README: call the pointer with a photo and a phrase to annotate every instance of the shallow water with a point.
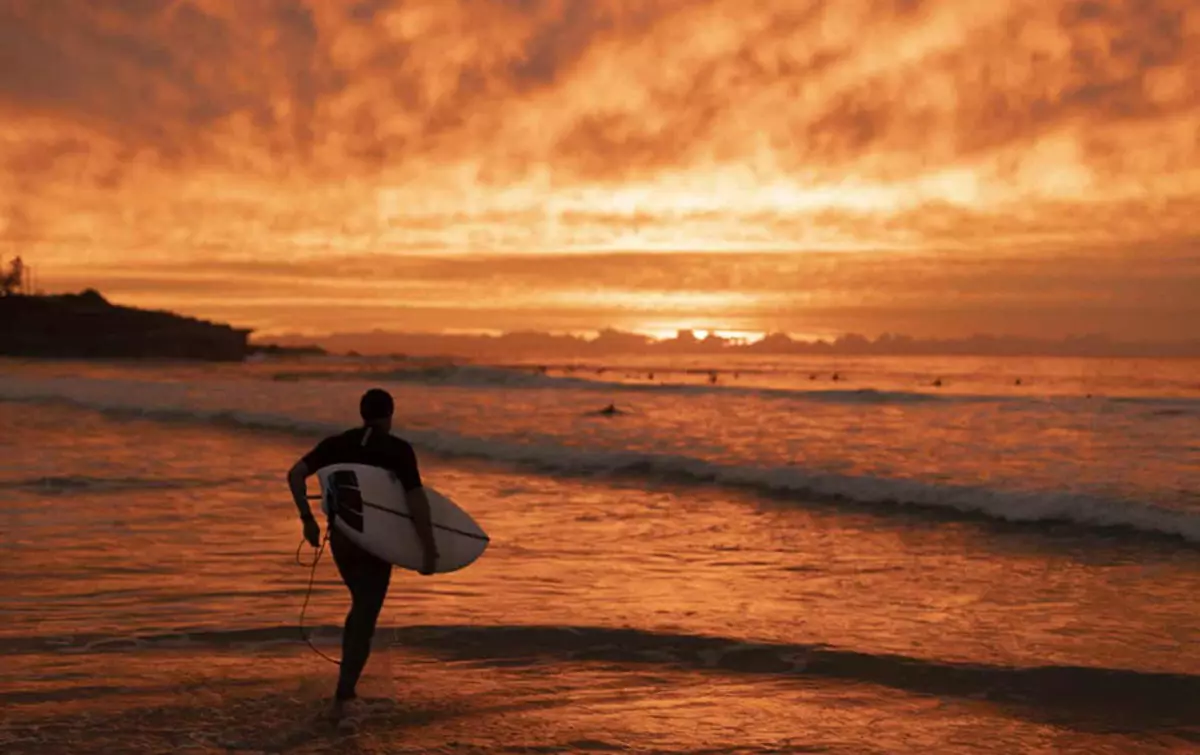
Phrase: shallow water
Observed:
(151, 597)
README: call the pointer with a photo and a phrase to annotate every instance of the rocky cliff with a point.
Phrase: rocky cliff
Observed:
(86, 326)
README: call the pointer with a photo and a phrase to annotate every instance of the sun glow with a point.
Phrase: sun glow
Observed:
(661, 332)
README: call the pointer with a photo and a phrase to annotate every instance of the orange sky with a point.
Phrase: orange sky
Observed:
(937, 167)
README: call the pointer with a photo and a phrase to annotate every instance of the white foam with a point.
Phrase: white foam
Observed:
(1014, 506)
(177, 402)
(484, 376)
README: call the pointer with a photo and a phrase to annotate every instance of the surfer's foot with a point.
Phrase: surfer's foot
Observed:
(337, 711)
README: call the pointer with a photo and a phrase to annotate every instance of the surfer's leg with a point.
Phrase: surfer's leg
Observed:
(371, 589)
(367, 578)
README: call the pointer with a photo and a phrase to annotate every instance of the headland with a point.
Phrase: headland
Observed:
(88, 326)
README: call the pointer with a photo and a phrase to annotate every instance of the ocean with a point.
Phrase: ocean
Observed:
(751, 555)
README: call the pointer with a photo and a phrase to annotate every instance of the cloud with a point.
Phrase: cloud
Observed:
(1147, 292)
(216, 132)
(573, 84)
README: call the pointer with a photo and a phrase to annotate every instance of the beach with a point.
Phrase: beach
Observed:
(768, 561)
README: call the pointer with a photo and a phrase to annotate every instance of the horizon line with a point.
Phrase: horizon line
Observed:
(720, 337)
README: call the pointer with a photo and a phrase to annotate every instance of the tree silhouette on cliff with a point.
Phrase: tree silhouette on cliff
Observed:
(13, 282)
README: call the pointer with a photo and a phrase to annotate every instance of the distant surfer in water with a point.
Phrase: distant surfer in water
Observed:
(365, 575)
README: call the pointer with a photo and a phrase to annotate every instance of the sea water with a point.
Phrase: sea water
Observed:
(767, 554)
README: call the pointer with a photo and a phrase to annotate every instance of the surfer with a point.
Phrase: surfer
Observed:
(365, 575)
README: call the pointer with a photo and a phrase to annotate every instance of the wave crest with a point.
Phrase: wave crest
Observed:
(785, 482)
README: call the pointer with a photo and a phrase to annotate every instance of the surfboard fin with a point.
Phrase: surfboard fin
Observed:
(346, 502)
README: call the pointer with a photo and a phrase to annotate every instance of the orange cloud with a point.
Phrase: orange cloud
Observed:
(145, 133)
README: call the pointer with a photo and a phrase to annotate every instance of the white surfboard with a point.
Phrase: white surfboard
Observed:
(372, 512)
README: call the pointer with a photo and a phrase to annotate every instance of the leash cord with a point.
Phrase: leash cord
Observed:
(312, 575)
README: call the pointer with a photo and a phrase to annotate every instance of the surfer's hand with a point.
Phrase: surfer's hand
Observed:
(430, 564)
(312, 531)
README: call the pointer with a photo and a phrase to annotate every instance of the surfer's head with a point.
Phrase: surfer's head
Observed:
(376, 407)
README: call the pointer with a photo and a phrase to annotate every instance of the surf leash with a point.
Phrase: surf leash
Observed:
(312, 575)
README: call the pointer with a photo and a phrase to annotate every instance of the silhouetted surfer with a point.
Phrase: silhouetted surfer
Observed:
(608, 411)
(365, 575)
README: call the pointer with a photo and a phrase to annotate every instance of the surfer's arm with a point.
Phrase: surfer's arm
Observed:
(409, 475)
(297, 478)
(321, 455)
(418, 506)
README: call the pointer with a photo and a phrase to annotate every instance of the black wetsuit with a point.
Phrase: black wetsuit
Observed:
(365, 575)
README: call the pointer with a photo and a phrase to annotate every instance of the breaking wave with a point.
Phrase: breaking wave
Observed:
(789, 482)
(480, 376)
(525, 378)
